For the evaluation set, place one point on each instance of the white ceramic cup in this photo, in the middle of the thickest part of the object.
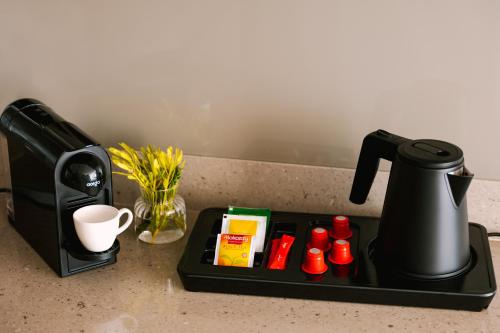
(98, 225)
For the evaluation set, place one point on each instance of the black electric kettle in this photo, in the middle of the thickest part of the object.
(423, 229)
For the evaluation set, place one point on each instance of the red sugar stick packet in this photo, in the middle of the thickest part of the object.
(279, 260)
(275, 243)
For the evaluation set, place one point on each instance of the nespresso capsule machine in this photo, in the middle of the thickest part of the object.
(55, 169)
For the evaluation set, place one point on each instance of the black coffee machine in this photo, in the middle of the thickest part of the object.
(55, 169)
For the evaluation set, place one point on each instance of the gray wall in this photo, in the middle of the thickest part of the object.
(282, 80)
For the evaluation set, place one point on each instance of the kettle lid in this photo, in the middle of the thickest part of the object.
(432, 154)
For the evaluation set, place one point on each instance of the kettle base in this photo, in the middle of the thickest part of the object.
(402, 273)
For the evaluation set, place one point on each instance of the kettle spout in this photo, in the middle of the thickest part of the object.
(459, 181)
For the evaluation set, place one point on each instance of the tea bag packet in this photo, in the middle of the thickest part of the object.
(234, 250)
(246, 225)
(251, 211)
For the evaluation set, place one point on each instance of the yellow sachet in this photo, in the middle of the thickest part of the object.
(246, 225)
(242, 227)
(234, 250)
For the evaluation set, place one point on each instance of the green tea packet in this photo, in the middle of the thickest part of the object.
(251, 211)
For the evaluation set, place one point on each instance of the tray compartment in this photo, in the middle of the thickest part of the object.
(336, 274)
(208, 254)
(279, 229)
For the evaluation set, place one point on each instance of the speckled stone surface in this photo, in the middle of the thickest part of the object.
(142, 291)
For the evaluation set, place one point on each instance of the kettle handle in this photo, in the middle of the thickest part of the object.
(376, 145)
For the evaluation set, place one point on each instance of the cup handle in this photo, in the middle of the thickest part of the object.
(127, 223)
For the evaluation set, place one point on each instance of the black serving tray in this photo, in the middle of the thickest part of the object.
(363, 280)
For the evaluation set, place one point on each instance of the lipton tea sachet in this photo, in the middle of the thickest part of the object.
(234, 250)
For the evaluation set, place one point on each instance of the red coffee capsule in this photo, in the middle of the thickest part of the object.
(319, 239)
(340, 227)
(314, 262)
(340, 253)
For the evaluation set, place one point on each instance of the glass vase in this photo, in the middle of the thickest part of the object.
(160, 216)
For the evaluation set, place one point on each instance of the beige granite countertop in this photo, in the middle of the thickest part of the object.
(142, 293)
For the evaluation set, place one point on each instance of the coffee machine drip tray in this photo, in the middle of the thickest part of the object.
(365, 280)
(76, 250)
